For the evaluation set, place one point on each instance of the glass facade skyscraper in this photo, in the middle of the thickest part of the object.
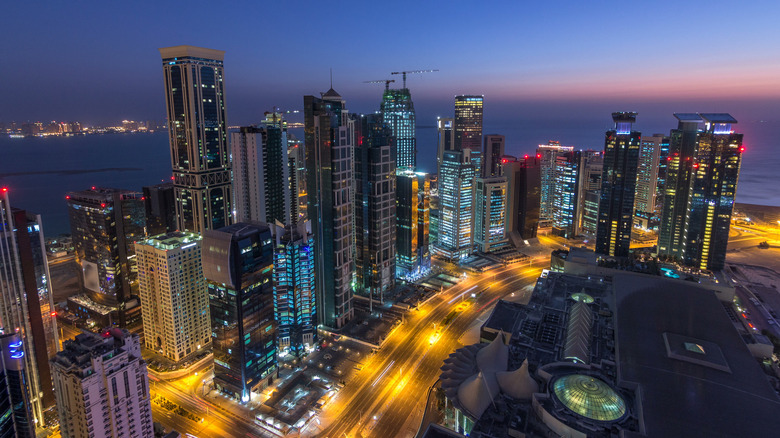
(329, 139)
(197, 130)
(397, 111)
(523, 195)
(16, 419)
(566, 201)
(492, 151)
(490, 214)
(547, 155)
(413, 223)
(295, 304)
(618, 185)
(455, 239)
(647, 174)
(238, 264)
(468, 127)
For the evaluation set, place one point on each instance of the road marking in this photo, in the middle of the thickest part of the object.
(387, 368)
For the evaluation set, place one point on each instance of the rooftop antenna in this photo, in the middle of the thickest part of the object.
(331, 78)
(411, 71)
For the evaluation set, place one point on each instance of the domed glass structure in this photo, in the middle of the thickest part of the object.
(582, 297)
(589, 397)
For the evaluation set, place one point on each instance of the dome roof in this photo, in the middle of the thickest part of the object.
(589, 397)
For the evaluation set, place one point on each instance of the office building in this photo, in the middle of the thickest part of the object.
(412, 223)
(296, 153)
(618, 185)
(238, 262)
(455, 239)
(547, 155)
(435, 210)
(445, 129)
(329, 137)
(261, 173)
(375, 207)
(26, 302)
(105, 224)
(566, 195)
(523, 195)
(16, 418)
(702, 173)
(160, 206)
(397, 112)
(468, 128)
(102, 386)
(197, 130)
(490, 214)
(647, 175)
(174, 298)
(663, 165)
(592, 168)
(295, 304)
(492, 153)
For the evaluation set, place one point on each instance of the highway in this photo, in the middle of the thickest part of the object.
(386, 398)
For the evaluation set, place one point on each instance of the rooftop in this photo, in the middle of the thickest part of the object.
(192, 52)
(172, 240)
(718, 118)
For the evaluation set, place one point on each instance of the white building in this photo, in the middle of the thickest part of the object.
(490, 214)
(174, 294)
(102, 387)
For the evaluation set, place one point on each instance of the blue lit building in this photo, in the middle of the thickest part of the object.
(618, 186)
(566, 194)
(16, 419)
(490, 213)
(397, 111)
(455, 238)
(295, 305)
(238, 265)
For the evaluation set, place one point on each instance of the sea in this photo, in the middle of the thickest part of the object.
(39, 171)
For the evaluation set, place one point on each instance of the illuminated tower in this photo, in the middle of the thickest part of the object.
(413, 223)
(490, 214)
(455, 238)
(397, 111)
(197, 130)
(446, 138)
(618, 185)
(492, 151)
(547, 155)
(468, 128)
(566, 195)
(329, 139)
(647, 176)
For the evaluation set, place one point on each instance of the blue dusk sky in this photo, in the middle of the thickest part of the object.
(98, 61)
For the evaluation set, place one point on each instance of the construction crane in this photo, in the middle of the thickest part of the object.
(385, 81)
(404, 73)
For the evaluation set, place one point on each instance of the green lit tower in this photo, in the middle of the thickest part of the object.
(397, 111)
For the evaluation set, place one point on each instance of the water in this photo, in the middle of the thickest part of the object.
(39, 171)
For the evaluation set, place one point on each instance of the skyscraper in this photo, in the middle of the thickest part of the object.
(16, 419)
(329, 136)
(547, 154)
(295, 304)
(455, 238)
(446, 138)
(523, 196)
(702, 180)
(174, 298)
(375, 207)
(618, 185)
(261, 174)
(490, 214)
(647, 176)
(566, 195)
(592, 169)
(102, 386)
(413, 223)
(160, 205)
(238, 263)
(492, 151)
(397, 111)
(296, 153)
(26, 302)
(105, 224)
(468, 128)
(197, 130)
(663, 163)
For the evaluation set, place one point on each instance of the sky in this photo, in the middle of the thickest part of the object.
(97, 62)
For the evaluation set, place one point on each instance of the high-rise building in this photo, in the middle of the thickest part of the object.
(296, 153)
(197, 130)
(261, 174)
(566, 196)
(102, 386)
(445, 138)
(703, 169)
(397, 111)
(492, 152)
(618, 185)
(26, 303)
(17, 419)
(160, 204)
(174, 297)
(647, 174)
(592, 168)
(490, 214)
(329, 136)
(663, 165)
(468, 127)
(105, 224)
(523, 195)
(434, 207)
(547, 154)
(295, 304)
(238, 261)
(375, 207)
(412, 223)
(455, 238)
